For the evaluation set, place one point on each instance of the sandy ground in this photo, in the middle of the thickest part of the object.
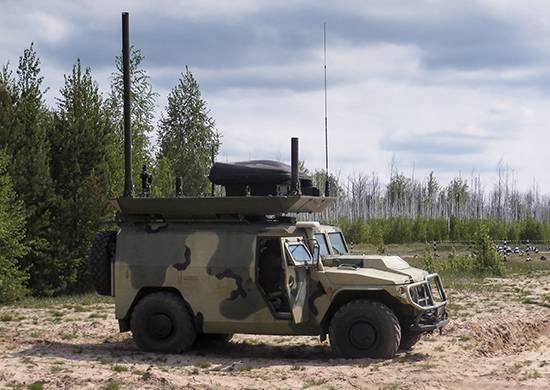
(499, 337)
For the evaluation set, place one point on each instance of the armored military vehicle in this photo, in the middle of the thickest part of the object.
(187, 270)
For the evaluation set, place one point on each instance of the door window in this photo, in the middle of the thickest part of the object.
(299, 253)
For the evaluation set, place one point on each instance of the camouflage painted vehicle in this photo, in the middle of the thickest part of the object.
(188, 270)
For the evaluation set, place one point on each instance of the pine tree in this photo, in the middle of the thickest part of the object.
(12, 235)
(80, 143)
(187, 136)
(142, 100)
(24, 126)
(8, 99)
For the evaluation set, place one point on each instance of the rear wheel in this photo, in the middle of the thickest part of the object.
(161, 322)
(364, 328)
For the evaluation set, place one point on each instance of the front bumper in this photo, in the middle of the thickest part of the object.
(430, 300)
(430, 320)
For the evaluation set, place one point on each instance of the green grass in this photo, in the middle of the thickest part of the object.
(119, 368)
(203, 365)
(112, 385)
(36, 386)
(310, 382)
(6, 317)
(76, 300)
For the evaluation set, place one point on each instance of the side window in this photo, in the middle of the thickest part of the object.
(323, 245)
(299, 253)
(338, 243)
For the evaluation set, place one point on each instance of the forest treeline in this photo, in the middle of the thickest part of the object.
(409, 209)
(399, 230)
(61, 165)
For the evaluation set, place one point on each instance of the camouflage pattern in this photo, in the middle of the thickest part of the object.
(214, 267)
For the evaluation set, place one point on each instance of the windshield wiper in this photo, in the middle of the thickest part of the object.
(336, 250)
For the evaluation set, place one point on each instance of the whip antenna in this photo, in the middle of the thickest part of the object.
(326, 122)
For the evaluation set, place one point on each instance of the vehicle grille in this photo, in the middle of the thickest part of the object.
(429, 293)
(421, 295)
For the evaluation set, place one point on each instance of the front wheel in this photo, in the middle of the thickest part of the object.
(161, 322)
(364, 328)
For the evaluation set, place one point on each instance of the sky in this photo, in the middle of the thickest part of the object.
(453, 87)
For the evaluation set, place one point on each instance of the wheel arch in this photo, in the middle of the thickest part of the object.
(124, 323)
(344, 296)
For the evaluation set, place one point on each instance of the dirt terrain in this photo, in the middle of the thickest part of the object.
(499, 337)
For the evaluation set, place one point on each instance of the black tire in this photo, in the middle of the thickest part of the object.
(209, 340)
(408, 340)
(364, 328)
(102, 255)
(161, 322)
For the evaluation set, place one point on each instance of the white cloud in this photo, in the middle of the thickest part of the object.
(420, 74)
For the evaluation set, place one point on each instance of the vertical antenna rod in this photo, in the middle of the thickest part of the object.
(294, 167)
(326, 122)
(128, 185)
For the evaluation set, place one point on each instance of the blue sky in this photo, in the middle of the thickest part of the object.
(448, 86)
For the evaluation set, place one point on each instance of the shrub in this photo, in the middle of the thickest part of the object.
(487, 260)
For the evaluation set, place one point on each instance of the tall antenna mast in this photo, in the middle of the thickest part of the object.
(326, 122)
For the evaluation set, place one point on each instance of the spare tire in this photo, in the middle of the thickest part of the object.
(102, 255)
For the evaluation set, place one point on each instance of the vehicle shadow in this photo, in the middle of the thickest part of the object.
(232, 355)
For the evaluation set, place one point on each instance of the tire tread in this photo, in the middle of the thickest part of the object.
(365, 305)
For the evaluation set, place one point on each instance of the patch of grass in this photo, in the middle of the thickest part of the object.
(531, 301)
(119, 368)
(390, 386)
(56, 369)
(67, 336)
(531, 374)
(57, 313)
(73, 300)
(98, 315)
(112, 385)
(35, 334)
(36, 386)
(297, 368)
(6, 317)
(203, 365)
(515, 369)
(310, 382)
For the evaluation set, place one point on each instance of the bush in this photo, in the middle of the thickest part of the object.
(454, 264)
(487, 260)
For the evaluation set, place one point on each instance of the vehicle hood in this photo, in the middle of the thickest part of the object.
(371, 269)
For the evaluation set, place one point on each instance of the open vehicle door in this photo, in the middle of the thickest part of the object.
(296, 258)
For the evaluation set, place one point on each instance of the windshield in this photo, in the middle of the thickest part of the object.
(338, 244)
(299, 253)
(323, 245)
